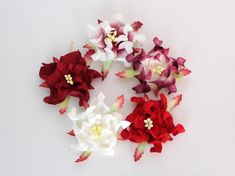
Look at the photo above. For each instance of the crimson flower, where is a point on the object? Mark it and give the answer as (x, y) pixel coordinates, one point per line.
(151, 123)
(67, 76)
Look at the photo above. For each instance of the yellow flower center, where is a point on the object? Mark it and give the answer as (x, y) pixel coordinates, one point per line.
(69, 79)
(112, 36)
(159, 69)
(97, 130)
(148, 123)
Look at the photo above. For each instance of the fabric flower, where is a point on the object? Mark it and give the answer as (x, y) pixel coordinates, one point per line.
(151, 123)
(97, 128)
(156, 69)
(67, 76)
(114, 40)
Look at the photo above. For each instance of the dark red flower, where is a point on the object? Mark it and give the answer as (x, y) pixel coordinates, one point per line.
(151, 123)
(67, 76)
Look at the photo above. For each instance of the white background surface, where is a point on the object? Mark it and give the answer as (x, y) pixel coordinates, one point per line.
(33, 140)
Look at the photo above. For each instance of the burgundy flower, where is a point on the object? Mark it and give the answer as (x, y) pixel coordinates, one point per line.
(156, 69)
(67, 76)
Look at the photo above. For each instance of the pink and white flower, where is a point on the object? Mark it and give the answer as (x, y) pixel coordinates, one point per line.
(114, 40)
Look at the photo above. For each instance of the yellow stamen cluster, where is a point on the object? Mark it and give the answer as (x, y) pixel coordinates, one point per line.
(97, 130)
(148, 123)
(69, 79)
(159, 69)
(112, 36)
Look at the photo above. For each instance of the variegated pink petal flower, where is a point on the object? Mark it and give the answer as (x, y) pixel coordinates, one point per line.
(157, 70)
(114, 40)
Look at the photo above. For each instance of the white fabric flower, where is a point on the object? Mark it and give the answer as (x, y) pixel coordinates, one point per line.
(97, 127)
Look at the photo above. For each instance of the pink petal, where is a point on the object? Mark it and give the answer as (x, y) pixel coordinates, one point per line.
(71, 133)
(157, 41)
(136, 25)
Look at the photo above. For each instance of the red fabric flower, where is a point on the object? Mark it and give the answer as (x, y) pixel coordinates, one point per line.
(151, 123)
(66, 76)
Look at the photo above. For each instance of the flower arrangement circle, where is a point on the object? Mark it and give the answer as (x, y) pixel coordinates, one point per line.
(98, 127)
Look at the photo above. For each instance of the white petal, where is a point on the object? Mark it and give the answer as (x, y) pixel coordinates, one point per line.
(138, 40)
(127, 45)
(100, 98)
(108, 139)
(118, 17)
(74, 115)
(102, 109)
(107, 28)
(99, 56)
(122, 38)
(124, 124)
(127, 28)
(96, 41)
(89, 111)
(124, 61)
(110, 54)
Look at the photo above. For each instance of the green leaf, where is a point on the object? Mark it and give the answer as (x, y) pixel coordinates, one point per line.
(105, 68)
(139, 151)
(173, 103)
(130, 73)
(64, 105)
(118, 104)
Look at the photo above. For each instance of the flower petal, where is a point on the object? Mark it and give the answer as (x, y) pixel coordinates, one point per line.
(178, 129)
(88, 57)
(71, 133)
(157, 147)
(136, 25)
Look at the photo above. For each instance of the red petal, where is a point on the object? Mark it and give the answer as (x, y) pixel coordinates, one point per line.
(157, 41)
(137, 99)
(157, 148)
(71, 133)
(44, 84)
(163, 101)
(178, 129)
(99, 21)
(136, 25)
